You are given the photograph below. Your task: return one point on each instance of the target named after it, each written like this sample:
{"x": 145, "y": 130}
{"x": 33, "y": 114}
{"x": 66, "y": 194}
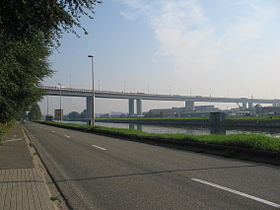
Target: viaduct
{"x": 139, "y": 97}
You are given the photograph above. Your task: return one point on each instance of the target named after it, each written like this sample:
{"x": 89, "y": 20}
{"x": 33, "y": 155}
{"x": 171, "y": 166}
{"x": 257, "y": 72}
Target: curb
{"x": 60, "y": 204}
{"x": 215, "y": 149}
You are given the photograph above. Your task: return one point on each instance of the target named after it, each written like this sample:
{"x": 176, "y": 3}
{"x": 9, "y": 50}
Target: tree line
{"x": 29, "y": 31}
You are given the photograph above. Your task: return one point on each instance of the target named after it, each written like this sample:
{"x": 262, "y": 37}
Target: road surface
{"x": 97, "y": 172}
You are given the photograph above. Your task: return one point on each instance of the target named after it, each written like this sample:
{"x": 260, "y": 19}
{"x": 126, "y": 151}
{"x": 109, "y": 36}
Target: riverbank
{"x": 250, "y": 122}
{"x": 245, "y": 146}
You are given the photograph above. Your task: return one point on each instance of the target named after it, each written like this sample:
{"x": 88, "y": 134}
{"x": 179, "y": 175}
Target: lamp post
{"x": 93, "y": 94}
{"x": 60, "y": 116}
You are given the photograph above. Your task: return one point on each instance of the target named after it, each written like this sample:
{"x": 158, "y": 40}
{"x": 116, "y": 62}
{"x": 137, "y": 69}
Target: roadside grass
{"x": 252, "y": 141}
{"x": 4, "y": 129}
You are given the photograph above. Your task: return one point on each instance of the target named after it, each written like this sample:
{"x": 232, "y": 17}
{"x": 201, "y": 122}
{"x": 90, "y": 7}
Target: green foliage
{"x": 74, "y": 115}
{"x": 25, "y": 19}
{"x": 35, "y": 112}
{"x": 253, "y": 141}
{"x": 22, "y": 66}
{"x": 4, "y": 128}
{"x": 28, "y": 31}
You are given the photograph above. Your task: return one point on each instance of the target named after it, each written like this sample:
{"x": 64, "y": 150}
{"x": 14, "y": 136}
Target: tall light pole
{"x": 60, "y": 117}
{"x": 93, "y": 94}
{"x": 47, "y": 105}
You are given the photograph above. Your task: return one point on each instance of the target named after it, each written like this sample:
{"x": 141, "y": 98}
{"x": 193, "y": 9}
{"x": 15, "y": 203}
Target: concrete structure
{"x": 206, "y": 108}
{"x": 58, "y": 114}
{"x": 173, "y": 112}
{"x": 189, "y": 106}
{"x": 139, "y": 106}
{"x": 269, "y": 111}
{"x": 217, "y": 117}
{"x": 131, "y": 107}
{"x": 139, "y": 97}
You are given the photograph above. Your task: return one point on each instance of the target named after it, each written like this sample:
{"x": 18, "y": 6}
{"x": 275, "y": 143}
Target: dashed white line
{"x": 52, "y": 131}
{"x": 237, "y": 192}
{"x": 99, "y": 147}
{"x": 67, "y": 136}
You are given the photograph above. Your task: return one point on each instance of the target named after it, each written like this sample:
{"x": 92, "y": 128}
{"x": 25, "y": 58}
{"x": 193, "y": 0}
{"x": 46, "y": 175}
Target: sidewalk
{"x": 21, "y": 183}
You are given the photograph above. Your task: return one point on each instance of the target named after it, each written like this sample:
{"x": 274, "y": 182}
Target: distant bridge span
{"x": 139, "y": 96}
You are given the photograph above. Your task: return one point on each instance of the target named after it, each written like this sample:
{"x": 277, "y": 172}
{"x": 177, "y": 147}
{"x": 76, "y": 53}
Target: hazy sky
{"x": 198, "y": 47}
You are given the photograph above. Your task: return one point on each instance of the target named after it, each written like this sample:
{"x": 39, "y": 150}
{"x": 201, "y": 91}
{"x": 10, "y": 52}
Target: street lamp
{"x": 60, "y": 117}
{"x": 93, "y": 94}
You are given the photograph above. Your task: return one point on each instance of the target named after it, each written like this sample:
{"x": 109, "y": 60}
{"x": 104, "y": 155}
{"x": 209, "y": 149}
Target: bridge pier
{"x": 189, "y": 106}
{"x": 89, "y": 107}
{"x": 131, "y": 107}
{"x": 139, "y": 106}
{"x": 250, "y": 104}
{"x": 244, "y": 105}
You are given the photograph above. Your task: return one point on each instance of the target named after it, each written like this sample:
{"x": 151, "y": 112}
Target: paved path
{"x": 21, "y": 184}
{"x": 97, "y": 172}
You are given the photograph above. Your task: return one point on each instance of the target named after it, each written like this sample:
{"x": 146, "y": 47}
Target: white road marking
{"x": 99, "y": 147}
{"x": 237, "y": 193}
{"x": 19, "y": 139}
{"x": 67, "y": 136}
{"x": 53, "y": 131}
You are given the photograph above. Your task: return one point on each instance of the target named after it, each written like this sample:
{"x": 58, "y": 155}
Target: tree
{"x": 28, "y": 31}
{"x": 35, "y": 112}
{"x": 25, "y": 19}
{"x": 74, "y": 115}
{"x": 22, "y": 66}
{"x": 84, "y": 114}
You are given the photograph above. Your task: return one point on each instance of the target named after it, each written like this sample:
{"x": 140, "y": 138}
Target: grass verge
{"x": 4, "y": 129}
{"x": 248, "y": 141}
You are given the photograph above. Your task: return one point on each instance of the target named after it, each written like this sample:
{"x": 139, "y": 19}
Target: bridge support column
{"x": 130, "y": 107}
{"x": 244, "y": 105}
{"x": 139, "y": 106}
{"x": 252, "y": 109}
{"x": 250, "y": 105}
{"x": 189, "y": 106}
{"x": 89, "y": 107}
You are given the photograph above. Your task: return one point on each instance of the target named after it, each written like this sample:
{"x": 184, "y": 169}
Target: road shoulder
{"x": 22, "y": 185}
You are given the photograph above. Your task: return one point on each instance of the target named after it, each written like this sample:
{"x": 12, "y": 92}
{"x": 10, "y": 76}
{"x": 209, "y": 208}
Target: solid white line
{"x": 238, "y": 193}
{"x": 99, "y": 147}
{"x": 19, "y": 139}
{"x": 67, "y": 136}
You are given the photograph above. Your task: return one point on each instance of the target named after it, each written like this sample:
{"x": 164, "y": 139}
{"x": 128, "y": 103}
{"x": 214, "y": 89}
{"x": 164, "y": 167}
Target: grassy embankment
{"x": 3, "y": 129}
{"x": 251, "y": 141}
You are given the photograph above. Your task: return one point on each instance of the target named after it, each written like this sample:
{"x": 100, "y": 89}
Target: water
{"x": 185, "y": 129}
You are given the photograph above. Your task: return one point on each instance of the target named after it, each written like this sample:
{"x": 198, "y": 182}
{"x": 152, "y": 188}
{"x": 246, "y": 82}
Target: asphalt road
{"x": 97, "y": 172}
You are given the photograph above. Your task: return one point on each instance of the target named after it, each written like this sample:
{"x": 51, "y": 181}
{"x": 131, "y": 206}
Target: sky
{"x": 186, "y": 47}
